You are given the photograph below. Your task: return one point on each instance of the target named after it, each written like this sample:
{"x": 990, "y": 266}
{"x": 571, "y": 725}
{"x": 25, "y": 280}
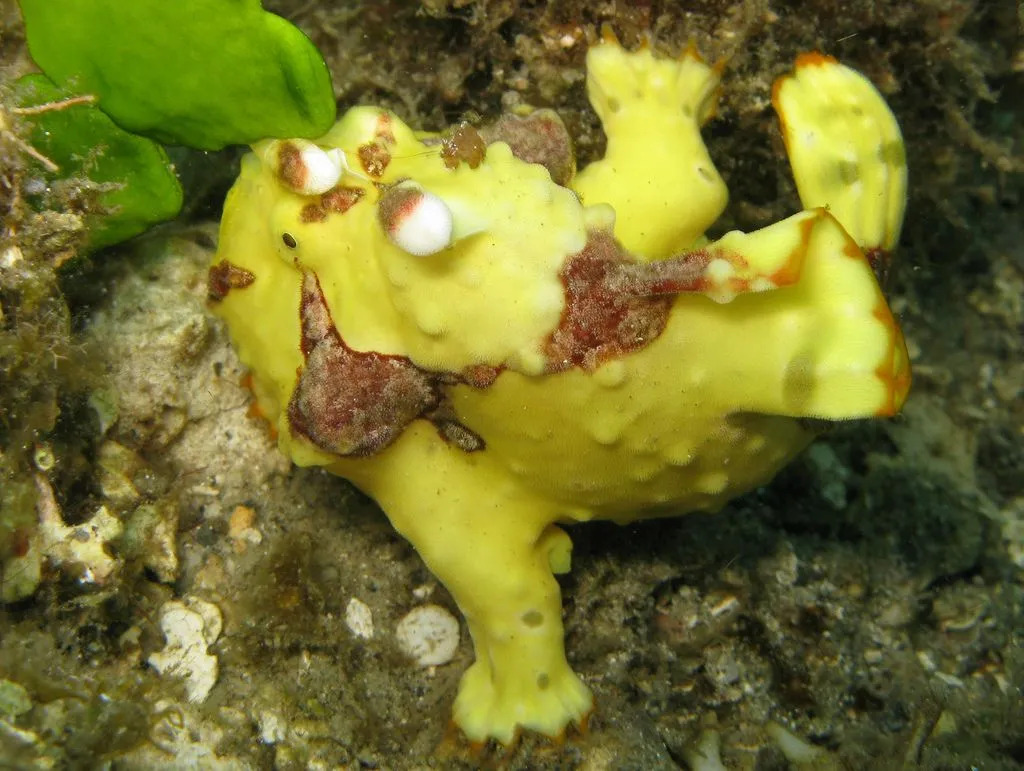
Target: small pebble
{"x": 359, "y": 618}
{"x": 428, "y": 634}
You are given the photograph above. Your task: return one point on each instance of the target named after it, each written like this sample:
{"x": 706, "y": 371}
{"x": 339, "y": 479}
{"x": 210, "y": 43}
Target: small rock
{"x": 189, "y": 630}
{"x": 796, "y": 750}
{"x": 118, "y": 466}
{"x": 80, "y": 547}
{"x": 273, "y": 728}
{"x": 428, "y": 634}
{"x": 212, "y": 619}
{"x": 359, "y": 618}
{"x": 14, "y": 700}
{"x": 150, "y": 536}
{"x": 423, "y": 591}
{"x": 706, "y": 755}
{"x": 241, "y": 529}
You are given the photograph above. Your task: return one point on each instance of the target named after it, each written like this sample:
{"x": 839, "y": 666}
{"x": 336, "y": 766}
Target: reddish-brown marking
{"x": 356, "y": 403}
{"x": 374, "y": 157}
{"x": 607, "y": 312}
{"x": 397, "y": 203}
{"x": 676, "y": 275}
{"x": 880, "y": 259}
{"x": 851, "y": 250}
{"x": 896, "y": 379}
{"x": 480, "y": 375}
{"x": 615, "y": 304}
{"x": 691, "y": 51}
{"x": 349, "y": 402}
{"x": 791, "y": 269}
{"x": 312, "y": 212}
{"x": 454, "y": 432}
{"x": 814, "y": 59}
{"x": 290, "y": 168}
{"x": 254, "y": 410}
{"x": 337, "y": 200}
{"x": 384, "y": 131}
{"x": 223, "y": 277}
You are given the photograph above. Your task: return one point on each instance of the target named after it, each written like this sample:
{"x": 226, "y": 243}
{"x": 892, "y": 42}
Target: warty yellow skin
{"x": 790, "y": 323}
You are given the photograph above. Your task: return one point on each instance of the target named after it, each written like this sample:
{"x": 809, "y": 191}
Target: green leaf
{"x": 202, "y": 73}
{"x": 84, "y": 142}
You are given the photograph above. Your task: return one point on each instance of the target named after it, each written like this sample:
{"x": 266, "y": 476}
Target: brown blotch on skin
{"x": 793, "y": 265}
{"x": 384, "y": 130}
{"x": 897, "y": 384}
{"x": 223, "y": 277}
{"x": 290, "y": 168}
{"x": 462, "y": 144}
{"x": 615, "y": 304}
{"x": 453, "y": 432}
{"x": 374, "y": 158}
{"x": 337, "y": 200}
{"x": 395, "y": 204}
{"x": 880, "y": 260}
{"x": 683, "y": 273}
{"x": 356, "y": 403}
{"x": 312, "y": 212}
{"x": 480, "y": 375}
{"x": 350, "y": 402}
{"x": 540, "y": 137}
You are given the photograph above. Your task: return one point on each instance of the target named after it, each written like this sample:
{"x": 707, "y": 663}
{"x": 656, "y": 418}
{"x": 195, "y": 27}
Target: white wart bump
{"x": 307, "y": 169}
{"x": 415, "y": 220}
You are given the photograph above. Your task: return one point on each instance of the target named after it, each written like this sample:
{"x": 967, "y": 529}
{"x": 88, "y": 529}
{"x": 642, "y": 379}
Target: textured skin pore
{"x": 567, "y": 357}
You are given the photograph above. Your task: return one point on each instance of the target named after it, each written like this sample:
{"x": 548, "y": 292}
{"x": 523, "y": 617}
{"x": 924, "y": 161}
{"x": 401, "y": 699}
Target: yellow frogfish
{"x": 492, "y": 345}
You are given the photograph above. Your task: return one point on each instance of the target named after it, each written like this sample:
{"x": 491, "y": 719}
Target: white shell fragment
{"x": 303, "y": 167}
{"x": 415, "y": 220}
{"x": 429, "y": 635}
{"x": 273, "y": 728}
{"x": 359, "y": 618}
{"x": 189, "y": 630}
{"x": 82, "y": 546}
